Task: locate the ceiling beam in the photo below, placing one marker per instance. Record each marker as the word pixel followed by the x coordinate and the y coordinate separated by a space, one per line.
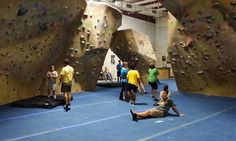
pixel 144 1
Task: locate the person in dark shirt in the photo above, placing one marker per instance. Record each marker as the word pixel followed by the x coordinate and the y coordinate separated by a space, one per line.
pixel 118 68
pixel 164 105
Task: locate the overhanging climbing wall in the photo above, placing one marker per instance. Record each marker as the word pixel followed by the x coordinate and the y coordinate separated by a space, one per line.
pixel 202 51
pixel 34 35
pixel 132 46
pixel 92 42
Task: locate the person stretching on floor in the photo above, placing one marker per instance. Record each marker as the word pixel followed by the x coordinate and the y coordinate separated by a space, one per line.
pixel 166 89
pixel 161 111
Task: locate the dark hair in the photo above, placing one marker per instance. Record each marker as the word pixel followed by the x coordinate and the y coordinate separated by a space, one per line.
pixel 152 66
pixel 165 88
pixel 66 61
pixel 133 66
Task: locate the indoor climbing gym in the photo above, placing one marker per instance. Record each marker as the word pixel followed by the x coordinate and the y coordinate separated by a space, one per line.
pixel 117 70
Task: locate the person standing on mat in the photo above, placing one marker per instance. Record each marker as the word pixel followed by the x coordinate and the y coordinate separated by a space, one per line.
pixel 52 76
pixel 66 78
pixel 124 82
pixel 165 104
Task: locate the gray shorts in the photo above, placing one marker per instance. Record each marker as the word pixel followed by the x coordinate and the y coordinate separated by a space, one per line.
pixel 52 86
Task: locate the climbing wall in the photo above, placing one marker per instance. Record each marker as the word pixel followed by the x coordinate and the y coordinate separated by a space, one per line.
pixel 202 51
pixel 34 35
pixel 92 42
pixel 132 46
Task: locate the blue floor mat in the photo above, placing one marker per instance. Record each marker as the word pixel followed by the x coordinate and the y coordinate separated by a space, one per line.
pixel 100 116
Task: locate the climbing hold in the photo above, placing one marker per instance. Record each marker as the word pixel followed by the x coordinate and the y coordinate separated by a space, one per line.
pixel 43 26
pixel 22 11
pixel 200 72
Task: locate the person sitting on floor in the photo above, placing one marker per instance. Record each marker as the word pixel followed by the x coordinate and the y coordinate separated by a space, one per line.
pixel 161 111
pixel 107 75
pixel 166 89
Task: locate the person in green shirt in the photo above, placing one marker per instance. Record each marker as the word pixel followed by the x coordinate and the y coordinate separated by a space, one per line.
pixel 152 80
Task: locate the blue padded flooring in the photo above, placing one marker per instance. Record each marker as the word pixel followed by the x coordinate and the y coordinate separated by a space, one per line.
pixel 100 116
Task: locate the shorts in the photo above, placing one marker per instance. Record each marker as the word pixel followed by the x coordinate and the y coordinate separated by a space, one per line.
pixel 153 84
pixel 157 113
pixel 52 86
pixel 118 73
pixel 66 87
pixel 131 87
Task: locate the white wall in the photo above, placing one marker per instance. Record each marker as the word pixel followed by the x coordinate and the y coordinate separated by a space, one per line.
pixel 141 26
pixel 159 35
pixel 111 67
pixel 161 40
pixel 164 31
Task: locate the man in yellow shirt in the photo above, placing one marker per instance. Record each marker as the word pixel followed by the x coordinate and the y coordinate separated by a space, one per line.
pixel 66 80
pixel 134 81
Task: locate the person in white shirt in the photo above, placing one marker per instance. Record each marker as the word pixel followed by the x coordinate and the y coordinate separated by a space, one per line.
pixel 52 77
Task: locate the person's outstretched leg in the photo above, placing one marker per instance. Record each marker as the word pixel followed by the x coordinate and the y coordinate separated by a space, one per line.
pixel 144 114
pixel 140 115
pixel 134 115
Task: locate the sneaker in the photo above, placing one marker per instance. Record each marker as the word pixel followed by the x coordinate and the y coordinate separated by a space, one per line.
pixel 134 115
pixel 66 108
pixel 155 99
pixel 156 104
pixel 126 100
pixel 132 103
